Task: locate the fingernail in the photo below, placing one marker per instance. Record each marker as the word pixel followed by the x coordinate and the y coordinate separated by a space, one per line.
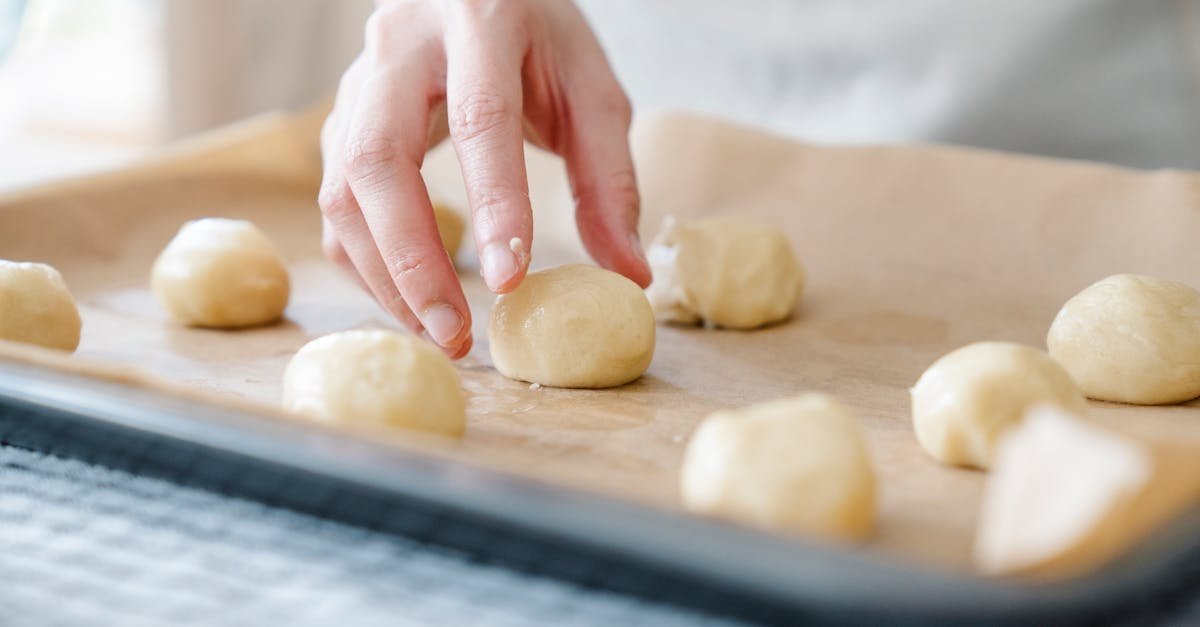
pixel 443 323
pixel 500 264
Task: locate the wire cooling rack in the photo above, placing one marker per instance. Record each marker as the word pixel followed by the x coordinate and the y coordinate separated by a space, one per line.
pixel 85 545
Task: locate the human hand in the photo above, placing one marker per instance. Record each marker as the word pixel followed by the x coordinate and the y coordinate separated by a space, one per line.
pixel 489 73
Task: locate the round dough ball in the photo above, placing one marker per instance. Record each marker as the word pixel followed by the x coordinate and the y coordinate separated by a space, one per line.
pixel 36 308
pixel 797 464
pixel 375 377
pixel 450 227
pixel 723 272
pixel 1131 339
pixel 221 273
pixel 573 326
pixel 966 400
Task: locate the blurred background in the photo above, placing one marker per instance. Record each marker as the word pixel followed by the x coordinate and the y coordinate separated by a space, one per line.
pixel 89 83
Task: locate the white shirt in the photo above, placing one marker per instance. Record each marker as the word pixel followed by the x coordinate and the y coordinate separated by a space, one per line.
pixel 1108 80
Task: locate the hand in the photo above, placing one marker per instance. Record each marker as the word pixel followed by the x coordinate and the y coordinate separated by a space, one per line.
pixel 489 74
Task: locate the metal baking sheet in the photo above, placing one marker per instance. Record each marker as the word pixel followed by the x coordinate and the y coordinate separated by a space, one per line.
pixel 911 252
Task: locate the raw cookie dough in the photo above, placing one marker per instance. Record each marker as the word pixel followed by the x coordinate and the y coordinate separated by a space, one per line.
pixel 797 464
pixel 221 273
pixel 724 272
pixel 375 377
pixel 964 402
pixel 450 227
pixel 573 326
pixel 36 308
pixel 1131 339
pixel 1066 495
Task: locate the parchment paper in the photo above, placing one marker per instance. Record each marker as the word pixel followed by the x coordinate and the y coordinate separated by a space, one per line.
pixel 911 252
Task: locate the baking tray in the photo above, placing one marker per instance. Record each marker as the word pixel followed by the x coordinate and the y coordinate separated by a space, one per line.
pixel 912 251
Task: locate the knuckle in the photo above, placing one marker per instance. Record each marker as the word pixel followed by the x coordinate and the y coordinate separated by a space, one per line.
pixel 368 154
pixel 334 251
pixel 493 206
pixel 487 8
pixel 393 24
pixel 489 197
pixel 404 265
pixel 479 113
pixel 376 30
pixel 334 200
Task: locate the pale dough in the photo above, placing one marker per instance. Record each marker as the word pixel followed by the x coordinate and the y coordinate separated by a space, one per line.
pixel 221 273
pixel 1068 495
pixel 378 378
pixel 797 465
pixel 1131 339
pixel 1057 482
pixel 450 227
pixel 573 326
pixel 966 400
pixel 723 271
pixel 36 307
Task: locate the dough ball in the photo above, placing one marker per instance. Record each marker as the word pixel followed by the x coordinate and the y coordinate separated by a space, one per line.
pixel 723 272
pixel 797 465
pixel 221 273
pixel 1063 495
pixel 1131 339
pixel 450 226
pixel 36 308
pixel 573 326
pixel 375 377
pixel 966 400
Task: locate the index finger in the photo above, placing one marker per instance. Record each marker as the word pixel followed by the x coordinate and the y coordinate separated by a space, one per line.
pixel 484 107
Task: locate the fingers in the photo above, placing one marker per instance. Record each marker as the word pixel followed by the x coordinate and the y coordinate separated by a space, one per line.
pixel 605 187
pixel 385 143
pixel 354 242
pixel 600 166
pixel 471 56
pixel 346 240
pixel 484 106
pixel 335 252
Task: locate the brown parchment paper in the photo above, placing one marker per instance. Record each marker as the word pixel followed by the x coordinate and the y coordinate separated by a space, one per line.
pixel 911 252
